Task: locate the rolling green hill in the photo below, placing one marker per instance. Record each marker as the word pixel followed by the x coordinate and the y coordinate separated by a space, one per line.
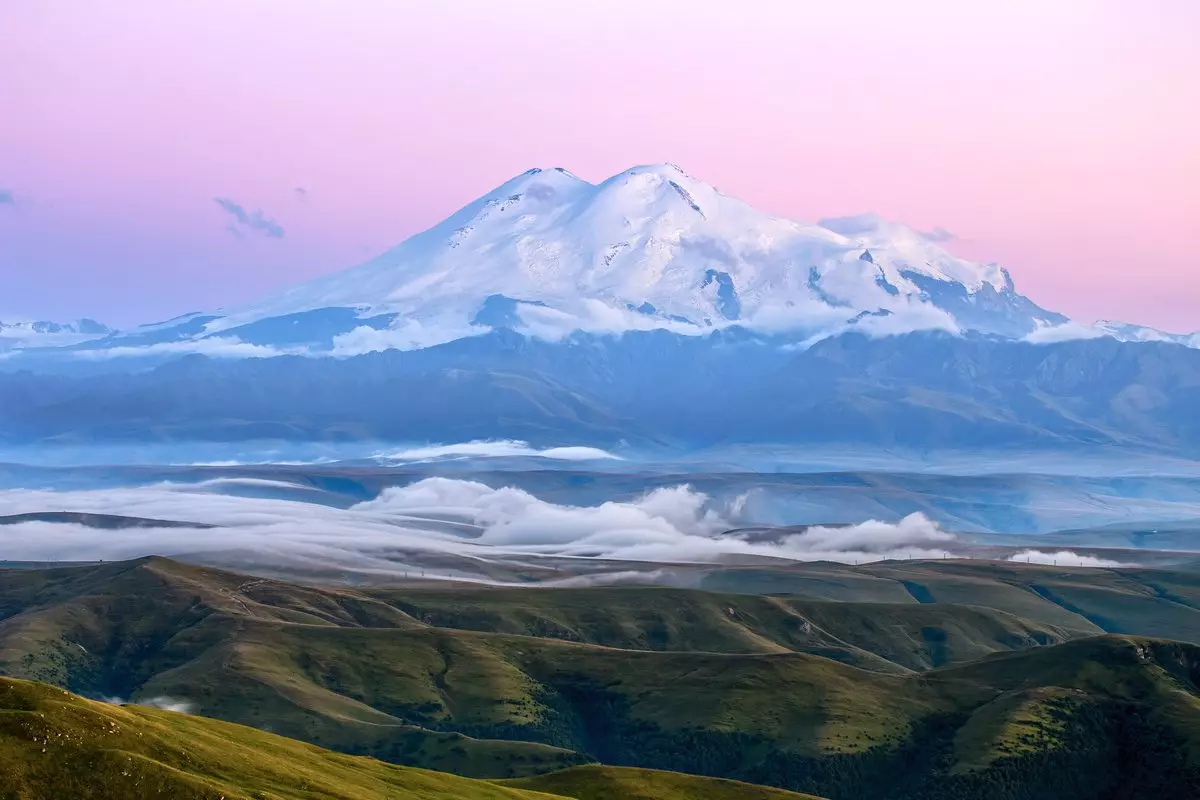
pixel 918 700
pixel 1146 602
pixel 877 636
pixel 54 744
pixel 119 629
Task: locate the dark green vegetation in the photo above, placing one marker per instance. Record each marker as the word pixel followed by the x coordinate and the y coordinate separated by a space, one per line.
pixel 884 637
pixel 55 745
pixel 910 694
pixel 1144 602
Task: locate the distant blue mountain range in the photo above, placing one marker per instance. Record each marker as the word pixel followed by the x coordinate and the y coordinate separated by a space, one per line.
pixel 926 390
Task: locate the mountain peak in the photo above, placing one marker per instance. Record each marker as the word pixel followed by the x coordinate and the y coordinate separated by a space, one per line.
pixel 552 179
pixel 25 333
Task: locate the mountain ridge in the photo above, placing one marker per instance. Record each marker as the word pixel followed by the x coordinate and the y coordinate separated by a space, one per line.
pixel 22 333
pixel 923 390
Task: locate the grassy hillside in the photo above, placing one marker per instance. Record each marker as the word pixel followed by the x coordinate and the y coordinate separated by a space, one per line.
pixel 1144 602
pixel 876 636
pixel 793 720
pixel 955 701
pixel 498 686
pixel 115 630
pixel 54 744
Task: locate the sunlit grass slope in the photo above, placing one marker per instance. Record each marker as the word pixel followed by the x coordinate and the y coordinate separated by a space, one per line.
pixel 56 745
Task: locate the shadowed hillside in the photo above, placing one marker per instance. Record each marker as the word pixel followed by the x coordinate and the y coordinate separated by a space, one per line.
pixel 1147 602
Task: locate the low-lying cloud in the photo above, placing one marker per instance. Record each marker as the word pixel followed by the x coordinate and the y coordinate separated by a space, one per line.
pixel 464 521
pixel 168 704
pixel 1062 558
pixel 1066 332
pixel 161 701
pixel 213 346
pixel 493 448
pixel 410 335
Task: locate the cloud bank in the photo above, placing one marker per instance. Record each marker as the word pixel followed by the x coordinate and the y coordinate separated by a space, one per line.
pixel 464 522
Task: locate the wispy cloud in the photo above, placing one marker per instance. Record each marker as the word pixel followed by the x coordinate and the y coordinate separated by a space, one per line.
pixel 168 704
pixel 161 701
pixel 300 192
pixel 253 221
pixel 7 198
pixel 939 234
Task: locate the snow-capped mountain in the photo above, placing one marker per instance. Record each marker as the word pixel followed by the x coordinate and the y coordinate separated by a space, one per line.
pixel 43 333
pixel 728 319
pixel 1126 332
pixel 1121 331
pixel 548 254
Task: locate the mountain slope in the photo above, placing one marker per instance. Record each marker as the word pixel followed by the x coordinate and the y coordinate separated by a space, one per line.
pixel 54 744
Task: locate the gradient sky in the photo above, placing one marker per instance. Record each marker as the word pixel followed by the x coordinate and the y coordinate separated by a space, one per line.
pixel 1059 137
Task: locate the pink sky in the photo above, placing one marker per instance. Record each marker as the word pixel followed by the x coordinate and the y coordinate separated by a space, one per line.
pixel 1059 137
